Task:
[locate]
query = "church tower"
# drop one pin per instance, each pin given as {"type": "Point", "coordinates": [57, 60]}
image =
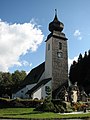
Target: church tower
{"type": "Point", "coordinates": [56, 61]}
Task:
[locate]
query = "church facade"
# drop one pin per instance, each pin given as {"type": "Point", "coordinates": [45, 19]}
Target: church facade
{"type": "Point", "coordinates": [53, 72]}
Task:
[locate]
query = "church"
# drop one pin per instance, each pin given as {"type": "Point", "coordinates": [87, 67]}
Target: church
{"type": "Point", "coordinates": [52, 73]}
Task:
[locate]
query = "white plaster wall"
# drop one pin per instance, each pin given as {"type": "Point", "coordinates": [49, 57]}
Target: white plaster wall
{"type": "Point", "coordinates": [37, 94]}
{"type": "Point", "coordinates": [41, 93]}
{"type": "Point", "coordinates": [22, 93]}
{"type": "Point", "coordinates": [48, 59]}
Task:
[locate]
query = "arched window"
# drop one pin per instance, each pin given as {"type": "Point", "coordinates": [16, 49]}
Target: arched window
{"type": "Point", "coordinates": [48, 46]}
{"type": "Point", "coordinates": [60, 46]}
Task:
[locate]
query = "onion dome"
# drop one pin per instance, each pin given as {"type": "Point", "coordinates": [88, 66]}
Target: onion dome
{"type": "Point", "coordinates": [56, 24]}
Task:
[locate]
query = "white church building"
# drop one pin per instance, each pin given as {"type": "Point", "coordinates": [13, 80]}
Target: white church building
{"type": "Point", "coordinates": [53, 72]}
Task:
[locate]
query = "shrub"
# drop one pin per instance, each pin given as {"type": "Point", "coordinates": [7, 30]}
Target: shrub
{"type": "Point", "coordinates": [62, 106]}
{"type": "Point", "coordinates": [16, 103]}
{"type": "Point", "coordinates": [5, 103]}
{"type": "Point", "coordinates": [68, 107]}
{"type": "Point", "coordinates": [48, 106]}
{"type": "Point", "coordinates": [57, 109]}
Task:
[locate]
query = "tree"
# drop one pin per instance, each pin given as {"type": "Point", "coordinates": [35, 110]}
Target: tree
{"type": "Point", "coordinates": [85, 55]}
{"type": "Point", "coordinates": [9, 82]}
{"type": "Point", "coordinates": [48, 91]}
{"type": "Point", "coordinates": [80, 57]}
{"type": "Point", "coordinates": [18, 76]}
{"type": "Point", "coordinates": [80, 72]}
{"type": "Point", "coordinates": [89, 53]}
{"type": "Point", "coordinates": [5, 83]}
{"type": "Point", "coordinates": [1, 77]}
{"type": "Point", "coordinates": [1, 86]}
{"type": "Point", "coordinates": [47, 104]}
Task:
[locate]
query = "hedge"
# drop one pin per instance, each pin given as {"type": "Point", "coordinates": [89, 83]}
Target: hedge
{"type": "Point", "coordinates": [14, 103]}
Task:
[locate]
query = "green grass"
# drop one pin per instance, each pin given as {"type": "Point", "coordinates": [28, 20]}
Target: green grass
{"type": "Point", "coordinates": [29, 113]}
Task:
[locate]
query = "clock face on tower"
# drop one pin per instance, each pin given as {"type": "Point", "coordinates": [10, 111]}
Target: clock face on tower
{"type": "Point", "coordinates": [59, 54]}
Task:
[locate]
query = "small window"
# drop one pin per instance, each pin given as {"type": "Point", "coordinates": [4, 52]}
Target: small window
{"type": "Point", "coordinates": [60, 46]}
{"type": "Point", "coordinates": [48, 46]}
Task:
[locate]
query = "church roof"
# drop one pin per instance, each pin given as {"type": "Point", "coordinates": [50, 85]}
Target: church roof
{"type": "Point", "coordinates": [61, 35]}
{"type": "Point", "coordinates": [56, 24]}
{"type": "Point", "coordinates": [39, 84]}
{"type": "Point", "coordinates": [33, 76]}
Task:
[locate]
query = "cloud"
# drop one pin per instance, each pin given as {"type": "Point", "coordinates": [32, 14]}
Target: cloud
{"type": "Point", "coordinates": [16, 40]}
{"type": "Point", "coordinates": [77, 34]}
{"type": "Point", "coordinates": [25, 63]}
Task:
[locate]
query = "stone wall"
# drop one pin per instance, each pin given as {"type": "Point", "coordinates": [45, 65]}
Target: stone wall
{"type": "Point", "coordinates": [59, 64]}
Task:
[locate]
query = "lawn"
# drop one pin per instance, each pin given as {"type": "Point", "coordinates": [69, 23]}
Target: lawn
{"type": "Point", "coordinates": [29, 113]}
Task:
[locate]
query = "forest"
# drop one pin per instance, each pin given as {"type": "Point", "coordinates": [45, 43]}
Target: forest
{"type": "Point", "coordinates": [80, 72]}
{"type": "Point", "coordinates": [10, 81]}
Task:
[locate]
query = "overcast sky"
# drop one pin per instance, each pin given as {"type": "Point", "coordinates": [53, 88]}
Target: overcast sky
{"type": "Point", "coordinates": [24, 28]}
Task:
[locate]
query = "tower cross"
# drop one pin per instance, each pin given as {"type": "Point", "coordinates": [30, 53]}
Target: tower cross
{"type": "Point", "coordinates": [55, 12]}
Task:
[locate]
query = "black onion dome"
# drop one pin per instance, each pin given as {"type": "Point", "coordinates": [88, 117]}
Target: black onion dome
{"type": "Point", "coordinates": [56, 24]}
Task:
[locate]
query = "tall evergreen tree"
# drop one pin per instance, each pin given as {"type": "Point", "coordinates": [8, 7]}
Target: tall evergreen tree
{"type": "Point", "coordinates": [80, 71]}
